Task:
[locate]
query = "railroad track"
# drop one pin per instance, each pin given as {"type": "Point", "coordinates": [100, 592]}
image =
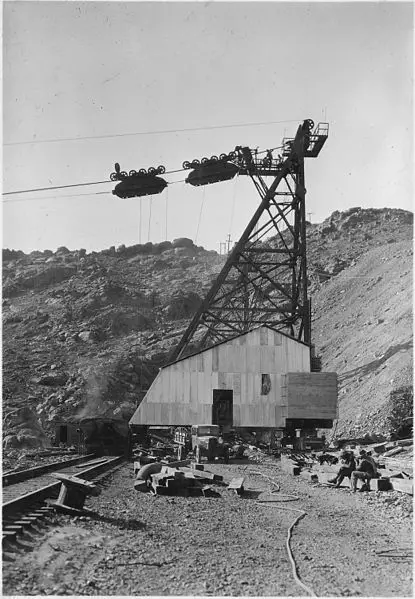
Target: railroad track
{"type": "Point", "coordinates": [24, 510]}
{"type": "Point", "coordinates": [11, 478]}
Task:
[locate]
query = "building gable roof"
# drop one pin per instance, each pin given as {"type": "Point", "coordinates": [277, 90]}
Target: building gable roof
{"type": "Point", "coordinates": [265, 326]}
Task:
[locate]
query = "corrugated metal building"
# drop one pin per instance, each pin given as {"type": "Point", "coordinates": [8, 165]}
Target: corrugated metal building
{"type": "Point", "coordinates": [258, 379]}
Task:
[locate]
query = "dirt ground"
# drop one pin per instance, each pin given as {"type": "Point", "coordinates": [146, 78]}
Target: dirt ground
{"type": "Point", "coordinates": [139, 544]}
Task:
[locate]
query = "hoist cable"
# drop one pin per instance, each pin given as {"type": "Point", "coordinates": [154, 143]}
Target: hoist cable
{"type": "Point", "coordinates": [167, 197]}
{"type": "Point", "coordinates": [149, 219]}
{"type": "Point", "coordinates": [200, 213]}
{"type": "Point", "coordinates": [233, 203]}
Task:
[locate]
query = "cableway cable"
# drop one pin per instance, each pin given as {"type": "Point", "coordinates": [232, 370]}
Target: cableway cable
{"type": "Point", "coordinates": [20, 191]}
{"type": "Point", "coordinates": [73, 195]}
{"type": "Point", "coordinates": [9, 193]}
{"type": "Point", "coordinates": [160, 132]}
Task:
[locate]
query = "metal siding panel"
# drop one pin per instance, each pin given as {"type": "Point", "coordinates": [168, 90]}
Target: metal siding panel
{"type": "Point", "coordinates": [201, 386]}
{"type": "Point", "coordinates": [244, 390]}
{"type": "Point", "coordinates": [208, 361]}
{"type": "Point", "coordinates": [266, 359]}
{"type": "Point", "coordinates": [252, 359]}
{"type": "Point", "coordinates": [164, 413]}
{"type": "Point", "coordinates": [236, 415]}
{"type": "Point", "coordinates": [276, 387]}
{"type": "Point", "coordinates": [193, 385]}
{"type": "Point", "coordinates": [186, 388]}
{"type": "Point", "coordinates": [166, 384]}
{"type": "Point", "coordinates": [149, 412]}
{"type": "Point", "coordinates": [207, 414]}
{"type": "Point", "coordinates": [193, 363]}
{"type": "Point", "coordinates": [277, 338]}
{"type": "Point", "coordinates": [222, 380]}
{"type": "Point", "coordinates": [200, 362]}
{"type": "Point", "coordinates": [157, 413]}
{"type": "Point", "coordinates": [236, 388]}
{"type": "Point", "coordinates": [239, 359]}
{"type": "Point", "coordinates": [215, 359]}
{"type": "Point", "coordinates": [257, 379]}
{"type": "Point", "coordinates": [224, 357]}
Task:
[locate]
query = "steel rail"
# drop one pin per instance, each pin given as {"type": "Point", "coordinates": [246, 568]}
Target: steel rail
{"type": "Point", "coordinates": [21, 475]}
{"type": "Point", "coordinates": [10, 508]}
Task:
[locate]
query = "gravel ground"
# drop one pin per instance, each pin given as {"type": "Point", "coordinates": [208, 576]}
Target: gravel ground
{"type": "Point", "coordinates": [138, 544]}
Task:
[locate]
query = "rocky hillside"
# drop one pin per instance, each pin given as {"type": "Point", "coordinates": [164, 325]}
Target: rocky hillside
{"type": "Point", "coordinates": [84, 334]}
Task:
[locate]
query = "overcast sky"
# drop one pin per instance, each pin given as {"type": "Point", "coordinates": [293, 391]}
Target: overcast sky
{"type": "Point", "coordinates": [102, 70]}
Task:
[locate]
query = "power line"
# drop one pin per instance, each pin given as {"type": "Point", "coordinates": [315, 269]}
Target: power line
{"type": "Point", "coordinates": [160, 132]}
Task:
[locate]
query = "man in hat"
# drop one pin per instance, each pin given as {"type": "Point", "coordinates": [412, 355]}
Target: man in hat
{"type": "Point", "coordinates": [364, 472]}
{"type": "Point", "coordinates": [348, 465]}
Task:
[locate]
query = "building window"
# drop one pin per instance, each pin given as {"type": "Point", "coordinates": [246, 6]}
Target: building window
{"type": "Point", "coordinates": [265, 384]}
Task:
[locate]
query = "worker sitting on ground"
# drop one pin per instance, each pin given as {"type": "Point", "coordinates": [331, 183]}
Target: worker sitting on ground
{"type": "Point", "coordinates": [346, 469]}
{"type": "Point", "coordinates": [365, 471]}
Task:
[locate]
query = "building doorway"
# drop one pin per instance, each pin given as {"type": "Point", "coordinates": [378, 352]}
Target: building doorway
{"type": "Point", "coordinates": [222, 408]}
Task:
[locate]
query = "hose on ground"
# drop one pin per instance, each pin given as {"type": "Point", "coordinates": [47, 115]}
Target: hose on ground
{"type": "Point", "coordinates": [301, 514]}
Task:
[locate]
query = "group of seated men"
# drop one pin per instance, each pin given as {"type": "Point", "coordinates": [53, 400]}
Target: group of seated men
{"type": "Point", "coordinates": [362, 468]}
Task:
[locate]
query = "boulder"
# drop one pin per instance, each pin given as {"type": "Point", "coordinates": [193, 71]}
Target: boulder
{"type": "Point", "coordinates": [183, 242]}
{"type": "Point", "coordinates": [53, 379]}
{"type": "Point", "coordinates": [86, 336]}
{"type": "Point", "coordinates": [182, 305]}
{"type": "Point", "coordinates": [10, 442]}
{"type": "Point", "coordinates": [62, 250]}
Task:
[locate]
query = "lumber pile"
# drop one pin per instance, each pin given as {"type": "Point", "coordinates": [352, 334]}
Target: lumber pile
{"type": "Point", "coordinates": [163, 479]}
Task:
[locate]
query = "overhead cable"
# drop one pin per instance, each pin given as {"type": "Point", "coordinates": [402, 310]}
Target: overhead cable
{"type": "Point", "coordinates": [159, 132]}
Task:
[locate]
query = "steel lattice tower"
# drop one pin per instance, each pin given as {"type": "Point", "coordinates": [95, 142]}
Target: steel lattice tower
{"type": "Point", "coordinates": [264, 280]}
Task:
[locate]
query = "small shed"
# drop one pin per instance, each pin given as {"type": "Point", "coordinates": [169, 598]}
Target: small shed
{"type": "Point", "coordinates": [258, 379]}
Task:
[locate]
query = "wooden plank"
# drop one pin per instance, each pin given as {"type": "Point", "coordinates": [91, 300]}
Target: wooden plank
{"type": "Point", "coordinates": [237, 485]}
{"type": "Point", "coordinates": [392, 452]}
{"type": "Point", "coordinates": [204, 474]}
{"type": "Point", "coordinates": [402, 485]}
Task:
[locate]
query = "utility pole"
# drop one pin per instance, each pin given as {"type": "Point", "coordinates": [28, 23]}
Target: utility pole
{"type": "Point", "coordinates": [228, 243]}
